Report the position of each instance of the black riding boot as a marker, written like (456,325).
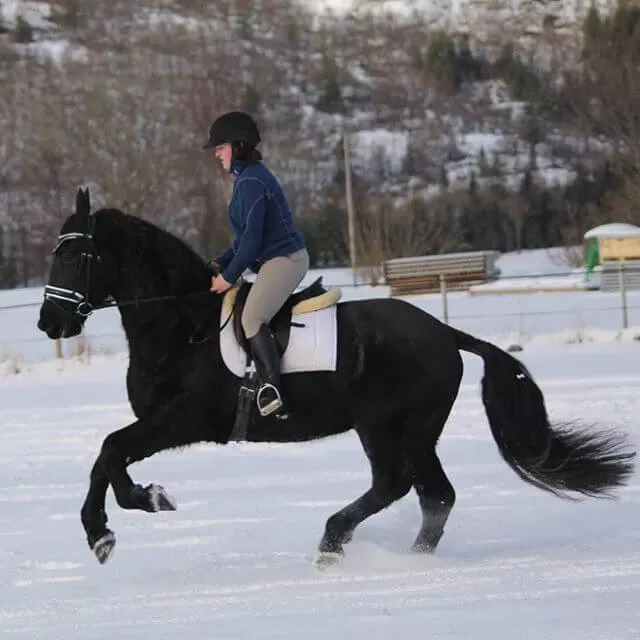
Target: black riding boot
(264,352)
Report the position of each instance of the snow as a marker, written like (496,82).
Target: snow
(500,98)
(390,145)
(614,230)
(466,15)
(157,19)
(359,74)
(474,143)
(235,560)
(513,157)
(518,285)
(57,50)
(552,261)
(534,271)
(35,13)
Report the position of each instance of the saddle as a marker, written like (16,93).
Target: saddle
(312,298)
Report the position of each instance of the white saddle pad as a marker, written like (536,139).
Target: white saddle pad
(313,347)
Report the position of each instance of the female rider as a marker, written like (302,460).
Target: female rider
(266,241)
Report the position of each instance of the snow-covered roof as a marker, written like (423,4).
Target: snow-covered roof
(613,230)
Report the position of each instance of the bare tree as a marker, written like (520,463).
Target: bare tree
(605,96)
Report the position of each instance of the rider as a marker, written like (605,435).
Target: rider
(266,241)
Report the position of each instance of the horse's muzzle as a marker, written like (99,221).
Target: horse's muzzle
(57,324)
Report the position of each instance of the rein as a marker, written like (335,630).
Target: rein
(138,301)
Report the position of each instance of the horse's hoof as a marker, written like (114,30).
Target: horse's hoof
(327,559)
(423,547)
(160,500)
(104,546)
(426,543)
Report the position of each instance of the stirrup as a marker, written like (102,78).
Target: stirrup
(272,406)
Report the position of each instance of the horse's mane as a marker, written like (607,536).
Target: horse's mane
(167,256)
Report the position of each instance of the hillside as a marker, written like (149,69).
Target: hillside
(459,139)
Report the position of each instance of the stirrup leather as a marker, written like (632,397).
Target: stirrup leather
(272,406)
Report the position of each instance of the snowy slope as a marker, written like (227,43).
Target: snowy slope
(234,562)
(460,15)
(452,14)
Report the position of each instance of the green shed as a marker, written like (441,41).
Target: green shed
(612,247)
(613,241)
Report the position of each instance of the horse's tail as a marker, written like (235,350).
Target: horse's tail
(558,459)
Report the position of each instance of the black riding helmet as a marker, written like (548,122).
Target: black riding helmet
(234,126)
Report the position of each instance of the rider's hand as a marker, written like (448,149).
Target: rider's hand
(219,284)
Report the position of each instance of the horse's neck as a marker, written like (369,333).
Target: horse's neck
(157,267)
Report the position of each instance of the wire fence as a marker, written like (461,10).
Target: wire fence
(498,310)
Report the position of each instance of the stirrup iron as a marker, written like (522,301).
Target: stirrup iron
(272,406)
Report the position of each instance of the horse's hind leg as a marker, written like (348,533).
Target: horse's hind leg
(435,493)
(391,480)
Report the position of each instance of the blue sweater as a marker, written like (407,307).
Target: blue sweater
(261,221)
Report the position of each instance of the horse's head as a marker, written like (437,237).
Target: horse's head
(77,281)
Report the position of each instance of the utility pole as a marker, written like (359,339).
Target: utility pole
(350,211)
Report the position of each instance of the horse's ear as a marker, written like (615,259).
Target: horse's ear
(83,203)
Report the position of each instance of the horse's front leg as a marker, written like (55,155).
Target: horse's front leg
(93,515)
(121,448)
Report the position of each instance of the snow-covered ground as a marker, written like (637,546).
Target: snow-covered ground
(235,560)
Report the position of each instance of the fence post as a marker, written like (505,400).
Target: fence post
(623,294)
(445,302)
(350,209)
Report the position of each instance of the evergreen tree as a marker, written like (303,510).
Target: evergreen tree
(23,32)
(473,186)
(592,27)
(251,100)
(469,68)
(441,60)
(522,81)
(331,100)
(444,178)
(483,165)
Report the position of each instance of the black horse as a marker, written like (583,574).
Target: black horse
(398,374)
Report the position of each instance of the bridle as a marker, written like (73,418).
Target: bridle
(83,307)
(81,300)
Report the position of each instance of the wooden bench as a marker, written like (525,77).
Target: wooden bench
(428,274)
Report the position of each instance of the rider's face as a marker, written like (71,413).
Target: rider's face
(223,154)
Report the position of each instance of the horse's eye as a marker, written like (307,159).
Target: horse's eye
(68,256)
